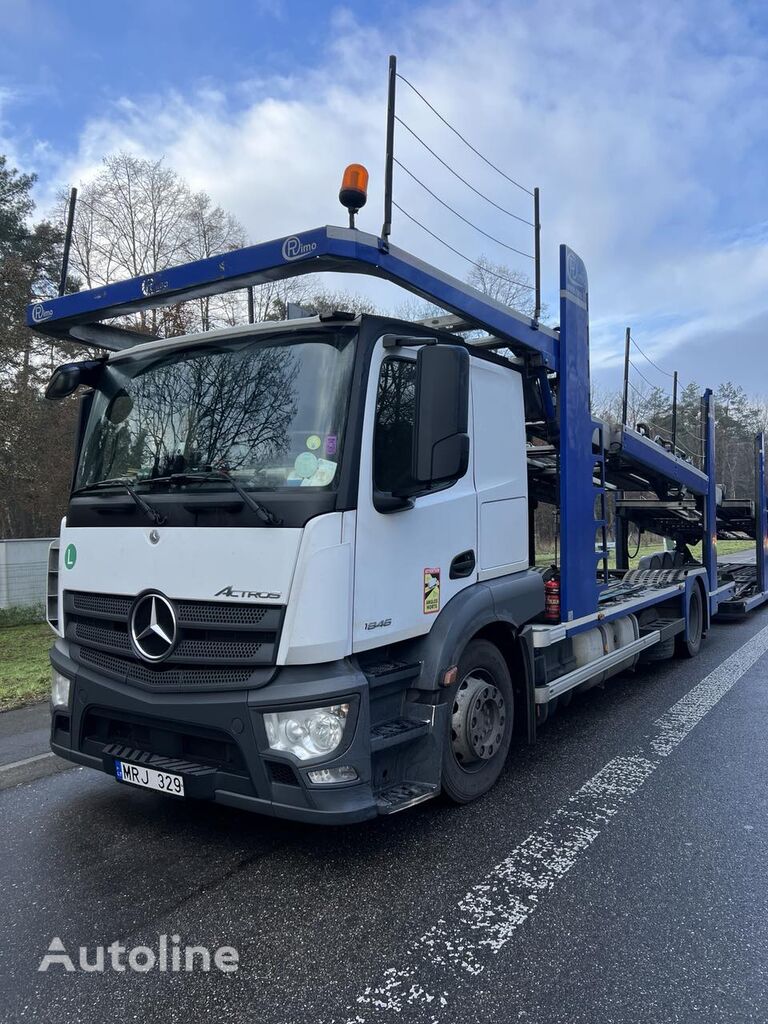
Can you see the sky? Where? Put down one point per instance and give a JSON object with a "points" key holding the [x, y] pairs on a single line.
{"points": [[645, 126]]}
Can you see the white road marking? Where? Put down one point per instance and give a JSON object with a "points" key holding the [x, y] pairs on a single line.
{"points": [[488, 915], [26, 760]]}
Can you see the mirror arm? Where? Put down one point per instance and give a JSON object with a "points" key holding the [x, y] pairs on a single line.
{"points": [[398, 340], [386, 503]]}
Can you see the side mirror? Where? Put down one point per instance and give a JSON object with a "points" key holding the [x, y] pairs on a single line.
{"points": [[68, 377], [440, 440]]}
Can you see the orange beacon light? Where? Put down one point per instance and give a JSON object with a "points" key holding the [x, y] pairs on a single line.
{"points": [[354, 190]]}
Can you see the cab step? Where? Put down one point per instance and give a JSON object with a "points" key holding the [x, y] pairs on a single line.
{"points": [[388, 672], [160, 762], [396, 732], [666, 628], [404, 794]]}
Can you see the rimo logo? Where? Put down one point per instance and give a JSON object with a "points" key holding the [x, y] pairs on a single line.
{"points": [[153, 286], [40, 313], [168, 956], [294, 248]]}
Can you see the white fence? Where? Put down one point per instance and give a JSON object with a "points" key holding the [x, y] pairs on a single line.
{"points": [[23, 573]]}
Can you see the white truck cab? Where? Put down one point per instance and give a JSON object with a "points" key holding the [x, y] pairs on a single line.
{"points": [[268, 516]]}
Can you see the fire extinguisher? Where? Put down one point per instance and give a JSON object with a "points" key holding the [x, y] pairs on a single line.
{"points": [[552, 600]]}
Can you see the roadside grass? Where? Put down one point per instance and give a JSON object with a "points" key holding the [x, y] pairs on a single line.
{"points": [[724, 547], [25, 672], [21, 615]]}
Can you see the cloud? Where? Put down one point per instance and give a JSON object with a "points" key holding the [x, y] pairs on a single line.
{"points": [[643, 126]]}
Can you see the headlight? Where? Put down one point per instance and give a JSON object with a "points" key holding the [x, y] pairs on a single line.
{"points": [[59, 690], [327, 776], [311, 732]]}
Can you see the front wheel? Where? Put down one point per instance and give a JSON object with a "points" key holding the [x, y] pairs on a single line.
{"points": [[480, 723]]}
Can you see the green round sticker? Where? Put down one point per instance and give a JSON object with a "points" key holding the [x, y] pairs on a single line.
{"points": [[70, 556]]}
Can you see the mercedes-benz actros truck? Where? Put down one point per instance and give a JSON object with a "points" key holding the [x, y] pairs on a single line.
{"points": [[297, 572]]}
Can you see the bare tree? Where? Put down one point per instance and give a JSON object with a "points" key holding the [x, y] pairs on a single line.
{"points": [[502, 283], [138, 217], [211, 231], [414, 308]]}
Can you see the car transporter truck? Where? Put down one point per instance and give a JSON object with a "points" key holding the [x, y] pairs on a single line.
{"points": [[297, 572]]}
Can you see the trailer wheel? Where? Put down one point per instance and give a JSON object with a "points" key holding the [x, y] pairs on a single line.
{"points": [[690, 648], [480, 725]]}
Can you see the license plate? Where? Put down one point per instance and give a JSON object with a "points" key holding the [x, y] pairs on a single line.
{"points": [[149, 778]]}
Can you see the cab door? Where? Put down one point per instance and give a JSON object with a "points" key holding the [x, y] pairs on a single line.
{"points": [[410, 562]]}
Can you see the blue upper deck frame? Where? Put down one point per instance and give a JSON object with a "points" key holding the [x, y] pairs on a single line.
{"points": [[342, 250], [644, 452], [563, 351]]}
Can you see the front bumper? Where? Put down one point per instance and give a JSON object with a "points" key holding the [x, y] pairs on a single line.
{"points": [[217, 739]]}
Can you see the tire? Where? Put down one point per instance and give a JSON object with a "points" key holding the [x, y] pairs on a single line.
{"points": [[660, 652], [690, 648], [480, 723]]}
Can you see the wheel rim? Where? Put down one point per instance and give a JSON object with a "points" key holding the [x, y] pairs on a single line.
{"points": [[478, 720]]}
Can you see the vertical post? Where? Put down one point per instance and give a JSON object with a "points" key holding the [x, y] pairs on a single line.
{"points": [[621, 531], [532, 506], [621, 525], [709, 533], [67, 241], [625, 392], [251, 314], [578, 582], [761, 516], [537, 253], [390, 156], [674, 413]]}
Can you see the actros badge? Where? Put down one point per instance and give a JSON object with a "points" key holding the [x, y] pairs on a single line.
{"points": [[248, 595]]}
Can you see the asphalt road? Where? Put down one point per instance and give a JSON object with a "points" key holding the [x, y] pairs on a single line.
{"points": [[617, 873]]}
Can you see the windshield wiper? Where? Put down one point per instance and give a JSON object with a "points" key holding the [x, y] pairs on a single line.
{"points": [[149, 510], [266, 515]]}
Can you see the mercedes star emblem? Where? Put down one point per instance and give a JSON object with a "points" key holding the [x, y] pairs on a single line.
{"points": [[153, 627]]}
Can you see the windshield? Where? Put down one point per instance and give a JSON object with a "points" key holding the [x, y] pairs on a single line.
{"points": [[268, 411]]}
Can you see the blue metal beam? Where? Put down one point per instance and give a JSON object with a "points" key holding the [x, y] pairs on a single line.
{"points": [[579, 590], [761, 516], [709, 532], [661, 463], [341, 250]]}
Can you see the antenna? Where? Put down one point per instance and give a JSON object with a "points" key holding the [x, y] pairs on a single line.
{"points": [[625, 392], [67, 241], [389, 160]]}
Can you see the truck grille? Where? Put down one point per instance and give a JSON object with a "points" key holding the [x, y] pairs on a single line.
{"points": [[218, 646]]}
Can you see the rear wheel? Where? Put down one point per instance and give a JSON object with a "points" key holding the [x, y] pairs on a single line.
{"points": [[480, 724], [690, 648]]}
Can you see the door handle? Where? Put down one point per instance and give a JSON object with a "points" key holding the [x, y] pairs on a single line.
{"points": [[463, 565]]}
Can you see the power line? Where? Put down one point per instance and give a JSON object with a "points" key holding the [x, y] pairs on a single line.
{"points": [[456, 213], [666, 430], [665, 372], [641, 374], [442, 241], [638, 392], [459, 135], [678, 443], [654, 387], [462, 180]]}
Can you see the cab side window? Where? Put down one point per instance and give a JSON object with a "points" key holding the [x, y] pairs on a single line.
{"points": [[393, 431]]}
